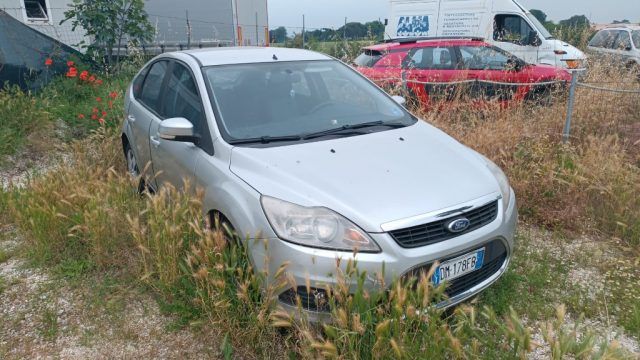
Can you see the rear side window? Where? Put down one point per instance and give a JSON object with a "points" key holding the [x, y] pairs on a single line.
{"points": [[151, 89], [431, 58], [138, 81], [511, 28], [636, 38], [182, 99], [368, 58], [483, 58], [623, 41]]}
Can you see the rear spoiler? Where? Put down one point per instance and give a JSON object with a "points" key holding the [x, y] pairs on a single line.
{"points": [[416, 39]]}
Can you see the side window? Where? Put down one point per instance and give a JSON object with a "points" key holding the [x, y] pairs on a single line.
{"points": [[151, 89], [483, 58], [182, 99], [511, 28], [36, 9], [431, 58], [137, 83], [623, 41], [609, 39]]}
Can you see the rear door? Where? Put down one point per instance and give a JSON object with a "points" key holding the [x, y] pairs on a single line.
{"points": [[145, 109], [174, 161], [431, 74]]}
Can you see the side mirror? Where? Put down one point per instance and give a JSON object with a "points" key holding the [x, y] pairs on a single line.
{"points": [[534, 39], [177, 129], [399, 99]]}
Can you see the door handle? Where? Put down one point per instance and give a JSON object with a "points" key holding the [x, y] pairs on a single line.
{"points": [[154, 141], [131, 118]]}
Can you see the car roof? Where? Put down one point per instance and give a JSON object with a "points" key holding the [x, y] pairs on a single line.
{"points": [[630, 27], [249, 55], [400, 45]]}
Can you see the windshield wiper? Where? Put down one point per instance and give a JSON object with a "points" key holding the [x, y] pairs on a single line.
{"points": [[351, 127], [265, 139]]}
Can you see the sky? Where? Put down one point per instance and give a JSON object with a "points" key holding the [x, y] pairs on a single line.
{"points": [[331, 13]]}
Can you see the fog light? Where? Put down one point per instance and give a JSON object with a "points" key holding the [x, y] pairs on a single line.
{"points": [[314, 300]]}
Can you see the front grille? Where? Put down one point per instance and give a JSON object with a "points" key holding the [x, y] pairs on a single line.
{"points": [[437, 231], [495, 257]]}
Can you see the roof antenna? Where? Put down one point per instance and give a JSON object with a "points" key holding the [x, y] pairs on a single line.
{"points": [[275, 57]]}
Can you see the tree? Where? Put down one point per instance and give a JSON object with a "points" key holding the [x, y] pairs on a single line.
{"points": [[576, 21], [278, 35], [539, 14], [109, 23]]}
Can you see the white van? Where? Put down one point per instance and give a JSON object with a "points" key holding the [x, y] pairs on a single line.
{"points": [[503, 23]]}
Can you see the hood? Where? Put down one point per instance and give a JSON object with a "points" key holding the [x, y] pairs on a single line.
{"points": [[370, 179], [543, 72]]}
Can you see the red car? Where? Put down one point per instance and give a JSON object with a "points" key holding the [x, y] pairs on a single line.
{"points": [[443, 69]]}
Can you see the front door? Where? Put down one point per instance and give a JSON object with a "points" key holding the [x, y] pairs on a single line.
{"points": [[512, 33]]}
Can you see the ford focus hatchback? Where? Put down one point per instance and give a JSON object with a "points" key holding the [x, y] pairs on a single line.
{"points": [[302, 151]]}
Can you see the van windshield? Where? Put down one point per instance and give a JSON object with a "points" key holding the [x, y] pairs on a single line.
{"points": [[538, 25]]}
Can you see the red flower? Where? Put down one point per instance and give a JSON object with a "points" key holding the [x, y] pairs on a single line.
{"points": [[113, 94], [98, 99], [92, 78], [94, 117], [94, 110], [101, 121], [80, 116], [98, 82], [70, 63], [104, 113], [84, 75], [48, 62], [73, 72]]}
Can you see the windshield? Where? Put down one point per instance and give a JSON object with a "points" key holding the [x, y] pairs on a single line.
{"points": [[538, 25], [298, 98], [636, 38]]}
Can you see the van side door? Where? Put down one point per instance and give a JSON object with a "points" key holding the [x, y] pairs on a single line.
{"points": [[512, 33]]}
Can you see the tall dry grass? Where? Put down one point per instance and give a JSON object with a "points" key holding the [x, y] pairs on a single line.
{"points": [[588, 185]]}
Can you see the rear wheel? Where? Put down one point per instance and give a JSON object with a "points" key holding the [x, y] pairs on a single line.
{"points": [[132, 166]]}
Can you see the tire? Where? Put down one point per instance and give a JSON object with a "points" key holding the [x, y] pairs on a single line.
{"points": [[132, 167]]}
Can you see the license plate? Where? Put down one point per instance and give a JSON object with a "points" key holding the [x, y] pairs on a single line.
{"points": [[459, 266]]}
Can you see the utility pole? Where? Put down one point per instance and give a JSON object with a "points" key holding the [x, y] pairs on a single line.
{"points": [[188, 30], [344, 35], [257, 36], [303, 25]]}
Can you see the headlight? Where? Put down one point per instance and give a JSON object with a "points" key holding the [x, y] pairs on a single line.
{"points": [[315, 227], [503, 182]]}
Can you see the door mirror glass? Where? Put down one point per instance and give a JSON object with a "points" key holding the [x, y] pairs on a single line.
{"points": [[177, 129], [399, 99]]}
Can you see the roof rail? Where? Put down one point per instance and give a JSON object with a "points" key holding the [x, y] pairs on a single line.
{"points": [[625, 25], [416, 39]]}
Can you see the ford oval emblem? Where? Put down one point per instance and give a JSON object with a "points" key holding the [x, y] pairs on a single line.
{"points": [[459, 225]]}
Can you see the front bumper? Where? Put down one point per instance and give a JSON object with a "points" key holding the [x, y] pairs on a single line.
{"points": [[318, 268]]}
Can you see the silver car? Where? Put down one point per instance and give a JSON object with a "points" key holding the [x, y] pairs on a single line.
{"points": [[300, 148], [620, 44]]}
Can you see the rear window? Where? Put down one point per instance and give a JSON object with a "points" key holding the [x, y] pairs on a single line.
{"points": [[368, 58]]}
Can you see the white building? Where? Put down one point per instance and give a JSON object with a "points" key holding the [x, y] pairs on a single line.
{"points": [[178, 24]]}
